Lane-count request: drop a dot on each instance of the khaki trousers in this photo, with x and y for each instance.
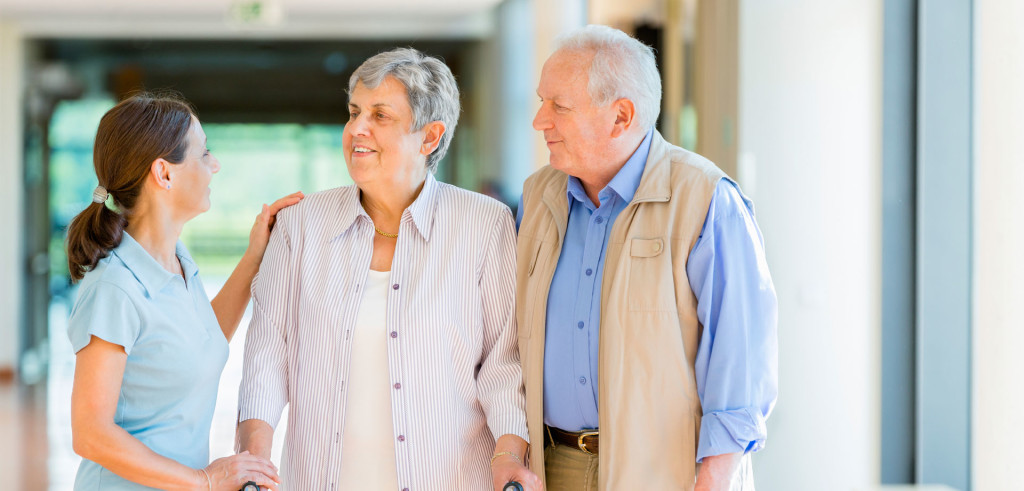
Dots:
(569, 469)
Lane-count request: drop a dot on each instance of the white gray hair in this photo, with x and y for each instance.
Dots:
(433, 94)
(622, 68)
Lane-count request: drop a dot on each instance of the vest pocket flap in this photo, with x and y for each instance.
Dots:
(646, 247)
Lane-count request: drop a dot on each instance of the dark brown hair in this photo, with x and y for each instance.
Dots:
(134, 133)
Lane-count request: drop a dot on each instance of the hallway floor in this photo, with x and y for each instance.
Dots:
(23, 453)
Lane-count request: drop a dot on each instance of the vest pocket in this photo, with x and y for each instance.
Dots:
(532, 290)
(646, 247)
(651, 288)
(533, 261)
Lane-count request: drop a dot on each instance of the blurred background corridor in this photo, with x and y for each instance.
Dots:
(877, 139)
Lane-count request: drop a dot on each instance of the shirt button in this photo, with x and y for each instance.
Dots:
(395, 286)
(599, 220)
(398, 385)
(401, 438)
(589, 271)
(579, 324)
(394, 334)
(583, 380)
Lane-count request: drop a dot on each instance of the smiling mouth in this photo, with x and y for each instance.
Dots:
(358, 150)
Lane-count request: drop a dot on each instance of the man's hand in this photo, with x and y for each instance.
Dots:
(717, 472)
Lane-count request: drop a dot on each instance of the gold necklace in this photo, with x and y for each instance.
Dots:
(390, 236)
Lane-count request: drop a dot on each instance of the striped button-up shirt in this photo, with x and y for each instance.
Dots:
(453, 360)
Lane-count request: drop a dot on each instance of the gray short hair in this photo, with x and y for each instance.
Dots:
(433, 93)
(622, 68)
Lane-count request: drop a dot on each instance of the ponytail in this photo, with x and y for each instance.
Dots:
(91, 236)
(134, 133)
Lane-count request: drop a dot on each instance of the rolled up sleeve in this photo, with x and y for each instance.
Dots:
(500, 378)
(737, 357)
(263, 393)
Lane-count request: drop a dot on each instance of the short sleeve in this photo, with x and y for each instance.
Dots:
(104, 310)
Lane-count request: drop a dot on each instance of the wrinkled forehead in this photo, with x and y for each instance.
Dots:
(566, 72)
(575, 56)
(390, 91)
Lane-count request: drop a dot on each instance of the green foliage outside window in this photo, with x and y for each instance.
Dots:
(259, 163)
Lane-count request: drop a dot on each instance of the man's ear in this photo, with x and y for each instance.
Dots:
(432, 134)
(160, 173)
(625, 116)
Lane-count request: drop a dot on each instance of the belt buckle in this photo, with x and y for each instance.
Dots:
(583, 446)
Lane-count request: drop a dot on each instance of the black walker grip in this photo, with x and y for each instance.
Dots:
(512, 486)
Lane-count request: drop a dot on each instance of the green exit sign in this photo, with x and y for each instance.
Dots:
(255, 13)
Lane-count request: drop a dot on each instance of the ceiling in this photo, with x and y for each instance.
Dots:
(218, 7)
(301, 19)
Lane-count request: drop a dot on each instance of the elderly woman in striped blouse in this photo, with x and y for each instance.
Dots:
(384, 311)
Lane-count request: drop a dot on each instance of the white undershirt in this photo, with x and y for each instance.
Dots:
(368, 441)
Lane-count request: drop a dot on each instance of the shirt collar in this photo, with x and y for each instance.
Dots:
(151, 274)
(420, 212)
(422, 209)
(625, 182)
(188, 265)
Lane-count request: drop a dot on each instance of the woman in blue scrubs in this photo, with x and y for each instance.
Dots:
(150, 345)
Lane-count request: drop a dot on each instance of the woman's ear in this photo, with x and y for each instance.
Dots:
(432, 137)
(160, 173)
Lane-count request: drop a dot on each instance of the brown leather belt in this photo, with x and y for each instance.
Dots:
(585, 440)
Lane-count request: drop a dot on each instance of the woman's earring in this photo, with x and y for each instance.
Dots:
(168, 186)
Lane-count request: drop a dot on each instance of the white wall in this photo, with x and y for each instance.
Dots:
(810, 147)
(10, 192)
(998, 244)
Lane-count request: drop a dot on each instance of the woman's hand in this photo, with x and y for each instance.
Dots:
(231, 473)
(260, 233)
(507, 468)
(229, 304)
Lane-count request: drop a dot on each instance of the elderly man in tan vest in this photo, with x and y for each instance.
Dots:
(646, 313)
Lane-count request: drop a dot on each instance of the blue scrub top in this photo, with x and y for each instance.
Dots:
(176, 353)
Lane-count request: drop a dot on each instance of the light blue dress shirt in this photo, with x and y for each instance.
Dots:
(176, 352)
(737, 354)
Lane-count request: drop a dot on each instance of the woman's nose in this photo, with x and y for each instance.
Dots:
(356, 125)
